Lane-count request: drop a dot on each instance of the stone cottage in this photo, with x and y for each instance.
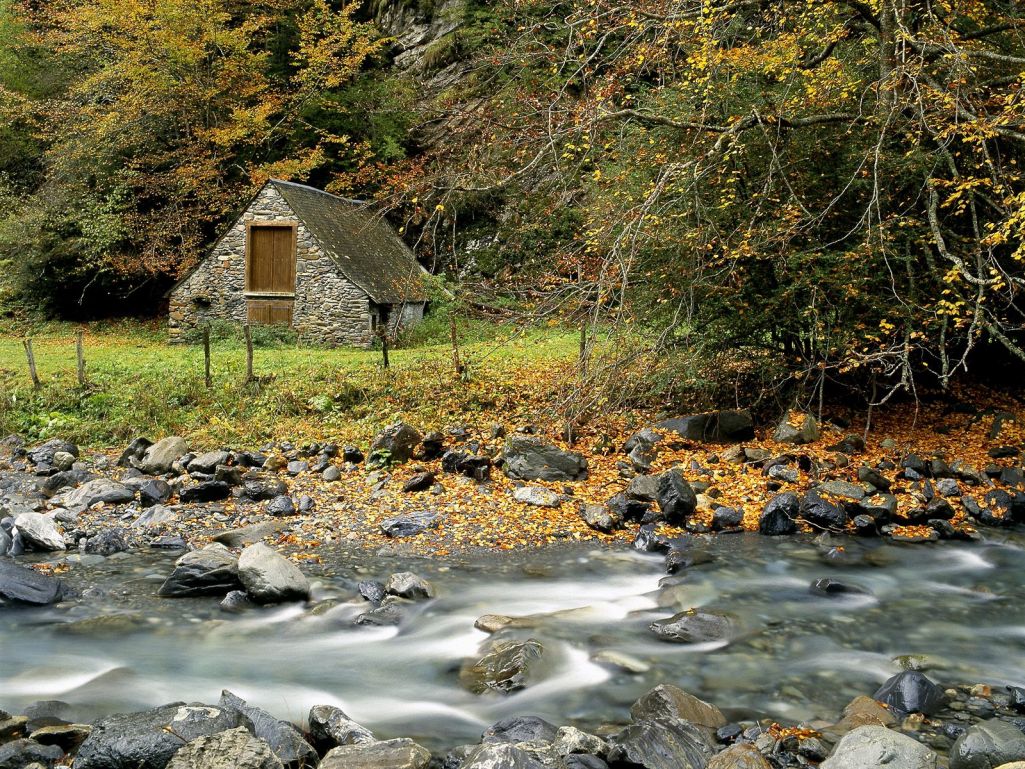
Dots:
(324, 265)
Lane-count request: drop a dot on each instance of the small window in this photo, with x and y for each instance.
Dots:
(373, 320)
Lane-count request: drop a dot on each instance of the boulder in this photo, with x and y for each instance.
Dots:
(44, 453)
(538, 496)
(389, 754)
(505, 667)
(159, 457)
(911, 692)
(39, 532)
(21, 584)
(148, 740)
(876, 747)
(154, 492)
(67, 737)
(600, 517)
(571, 741)
(779, 515)
(666, 701)
(210, 571)
(284, 739)
(157, 515)
(231, 749)
(108, 542)
(419, 482)
(821, 513)
(506, 755)
(661, 744)
(409, 525)
(694, 626)
(676, 499)
(806, 432)
(135, 451)
(987, 745)
(260, 488)
(521, 729)
(207, 463)
(530, 459)
(331, 727)
(727, 426)
(269, 577)
(99, 490)
(23, 753)
(207, 491)
(742, 756)
(396, 443)
(281, 506)
(405, 584)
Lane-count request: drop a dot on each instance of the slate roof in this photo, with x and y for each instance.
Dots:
(363, 245)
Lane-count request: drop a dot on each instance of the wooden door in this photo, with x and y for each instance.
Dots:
(270, 311)
(270, 273)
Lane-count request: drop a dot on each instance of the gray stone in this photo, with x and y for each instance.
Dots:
(158, 515)
(601, 517)
(331, 727)
(405, 584)
(409, 525)
(505, 755)
(743, 756)
(806, 432)
(396, 443)
(784, 473)
(39, 532)
(99, 490)
(694, 626)
(21, 584)
(876, 747)
(843, 490)
(19, 754)
(210, 571)
(713, 427)
(676, 499)
(247, 535)
(569, 740)
(661, 744)
(538, 496)
(207, 463)
(269, 577)
(231, 749)
(63, 460)
(154, 492)
(332, 473)
(108, 542)
(284, 739)
(389, 754)
(505, 667)
(529, 459)
(281, 506)
(911, 692)
(521, 729)
(666, 701)
(987, 745)
(161, 455)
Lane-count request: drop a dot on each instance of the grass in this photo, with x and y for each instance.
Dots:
(138, 384)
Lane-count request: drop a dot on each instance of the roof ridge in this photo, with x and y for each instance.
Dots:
(319, 191)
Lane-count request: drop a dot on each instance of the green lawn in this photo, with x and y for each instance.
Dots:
(140, 385)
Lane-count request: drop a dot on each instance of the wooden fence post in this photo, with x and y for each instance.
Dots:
(206, 357)
(248, 332)
(384, 346)
(80, 357)
(31, 364)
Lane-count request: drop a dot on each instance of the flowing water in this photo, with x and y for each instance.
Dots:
(798, 655)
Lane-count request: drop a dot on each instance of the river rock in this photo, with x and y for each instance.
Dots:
(21, 584)
(67, 737)
(530, 459)
(821, 513)
(876, 747)
(247, 535)
(207, 491)
(520, 729)
(714, 427)
(108, 542)
(45, 453)
(676, 498)
(743, 756)
(19, 754)
(269, 577)
(210, 571)
(570, 741)
(396, 443)
(661, 744)
(987, 745)
(99, 490)
(154, 492)
(331, 727)
(806, 432)
(148, 740)
(39, 532)
(506, 666)
(389, 754)
(159, 457)
(231, 749)
(779, 515)
(281, 506)
(157, 515)
(601, 517)
(538, 496)
(207, 463)
(409, 525)
(284, 739)
(666, 701)
(694, 626)
(505, 755)
(911, 692)
(406, 584)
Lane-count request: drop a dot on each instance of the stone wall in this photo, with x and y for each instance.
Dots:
(329, 308)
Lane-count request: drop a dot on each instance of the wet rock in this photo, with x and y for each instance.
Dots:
(158, 515)
(806, 432)
(210, 571)
(12, 727)
(233, 475)
(62, 480)
(390, 754)
(409, 525)
(154, 492)
(833, 587)
(876, 747)
(372, 591)
(619, 661)
(821, 513)
(284, 739)
(538, 496)
(724, 518)
(623, 508)
(842, 490)
(529, 459)
(669, 702)
(505, 667)
(987, 745)
(658, 744)
(648, 541)
(676, 498)
(269, 577)
(694, 626)
(159, 457)
(504, 755)
(21, 584)
(405, 584)
(207, 463)
(873, 477)
(281, 506)
(600, 517)
(236, 602)
(108, 542)
(569, 741)
(21, 753)
(261, 489)
(520, 729)
(39, 532)
(419, 482)
(395, 444)
(743, 756)
(784, 473)
(911, 692)
(148, 740)
(779, 516)
(67, 737)
(207, 491)
(331, 727)
(390, 612)
(231, 749)
(99, 490)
